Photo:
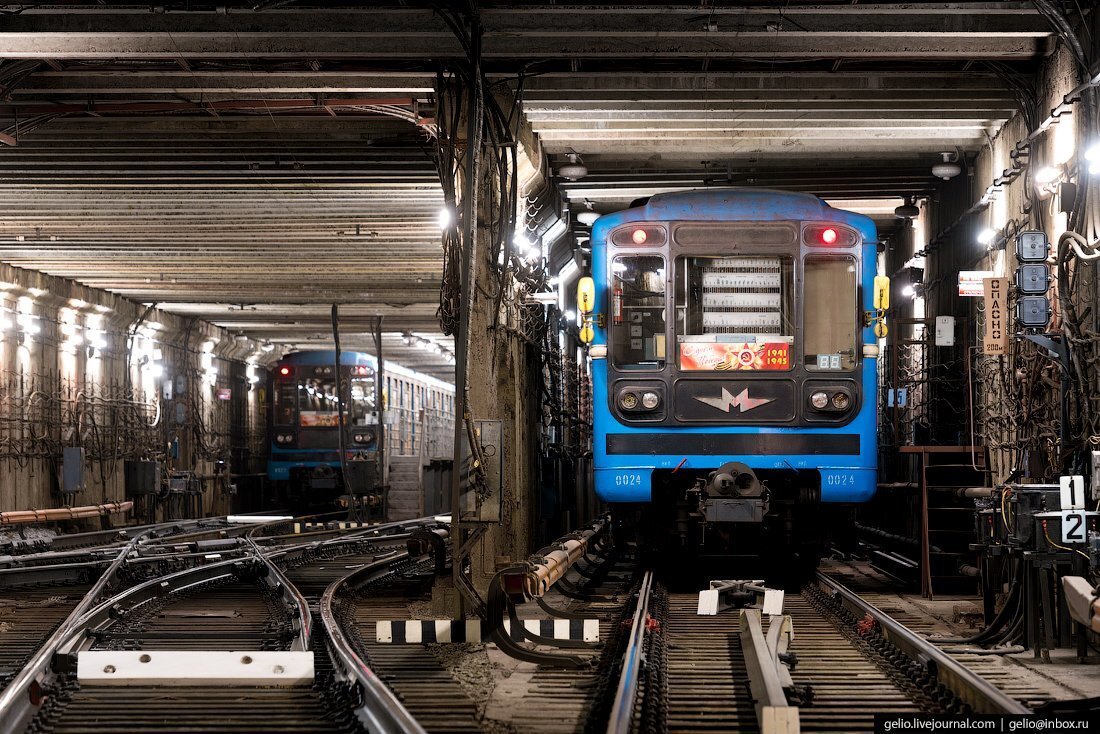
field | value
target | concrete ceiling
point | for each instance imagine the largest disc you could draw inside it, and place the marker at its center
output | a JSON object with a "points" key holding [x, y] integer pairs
{"points": [[252, 167]]}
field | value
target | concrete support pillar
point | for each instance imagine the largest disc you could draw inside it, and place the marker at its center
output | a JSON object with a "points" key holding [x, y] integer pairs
{"points": [[502, 380]]}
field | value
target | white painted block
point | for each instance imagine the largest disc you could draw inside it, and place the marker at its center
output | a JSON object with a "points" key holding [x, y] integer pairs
{"points": [[383, 631], [773, 601], [708, 602], [194, 668]]}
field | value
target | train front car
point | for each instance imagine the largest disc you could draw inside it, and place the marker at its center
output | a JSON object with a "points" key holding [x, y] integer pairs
{"points": [[303, 428], [736, 401]]}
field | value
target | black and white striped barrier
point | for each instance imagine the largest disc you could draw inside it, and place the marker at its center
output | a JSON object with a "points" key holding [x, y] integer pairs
{"points": [[307, 527], [419, 631]]}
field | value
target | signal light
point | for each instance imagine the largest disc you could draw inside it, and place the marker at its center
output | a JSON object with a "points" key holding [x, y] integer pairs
{"points": [[828, 236], [639, 236], [284, 371]]}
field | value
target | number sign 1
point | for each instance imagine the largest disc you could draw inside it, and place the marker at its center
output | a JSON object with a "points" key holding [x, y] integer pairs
{"points": [[1073, 492]]}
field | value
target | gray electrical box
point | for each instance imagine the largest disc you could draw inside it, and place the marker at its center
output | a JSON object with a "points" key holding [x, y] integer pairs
{"points": [[1033, 312], [72, 469], [1032, 247], [1033, 279], [141, 477]]}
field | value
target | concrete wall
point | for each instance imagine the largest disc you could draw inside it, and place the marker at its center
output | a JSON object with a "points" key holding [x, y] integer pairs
{"points": [[66, 381]]}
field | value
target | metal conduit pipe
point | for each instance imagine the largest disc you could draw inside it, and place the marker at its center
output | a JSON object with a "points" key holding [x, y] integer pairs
{"points": [[542, 571], [17, 517]]}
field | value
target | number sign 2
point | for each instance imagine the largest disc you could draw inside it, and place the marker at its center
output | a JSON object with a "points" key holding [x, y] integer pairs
{"points": [[1073, 526]]}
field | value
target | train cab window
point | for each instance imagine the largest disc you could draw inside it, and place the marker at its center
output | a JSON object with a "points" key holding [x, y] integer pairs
{"points": [[362, 401], [734, 313], [831, 316], [286, 404], [637, 332]]}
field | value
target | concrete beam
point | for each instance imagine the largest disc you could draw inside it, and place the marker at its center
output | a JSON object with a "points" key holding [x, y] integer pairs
{"points": [[932, 30]]}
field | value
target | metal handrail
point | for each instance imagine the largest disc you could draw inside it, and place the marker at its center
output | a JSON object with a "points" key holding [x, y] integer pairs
{"points": [[626, 693]]}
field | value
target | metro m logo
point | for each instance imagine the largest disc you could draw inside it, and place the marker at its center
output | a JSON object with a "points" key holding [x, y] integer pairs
{"points": [[743, 402]]}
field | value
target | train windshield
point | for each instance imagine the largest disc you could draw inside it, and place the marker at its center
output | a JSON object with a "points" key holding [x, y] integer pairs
{"points": [[734, 313], [831, 315], [638, 312], [313, 401]]}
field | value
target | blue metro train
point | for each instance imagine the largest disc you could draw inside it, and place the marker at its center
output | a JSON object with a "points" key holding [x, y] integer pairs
{"points": [[734, 345], [303, 426]]}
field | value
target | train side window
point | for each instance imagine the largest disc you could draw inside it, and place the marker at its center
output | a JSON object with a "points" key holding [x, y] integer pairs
{"points": [[637, 331], [829, 304]]}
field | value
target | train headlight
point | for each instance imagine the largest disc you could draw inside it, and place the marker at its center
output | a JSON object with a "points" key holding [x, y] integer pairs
{"points": [[650, 400], [841, 401], [819, 400], [628, 401]]}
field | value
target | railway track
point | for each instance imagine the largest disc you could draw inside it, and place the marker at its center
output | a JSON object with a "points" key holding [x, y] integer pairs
{"points": [[682, 672], [246, 626]]}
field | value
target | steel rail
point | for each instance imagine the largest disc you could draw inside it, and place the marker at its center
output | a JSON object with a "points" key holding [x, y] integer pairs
{"points": [[626, 692], [379, 709], [19, 701], [980, 694]]}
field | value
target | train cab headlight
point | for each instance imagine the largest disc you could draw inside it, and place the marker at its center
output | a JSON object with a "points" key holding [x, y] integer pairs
{"points": [[628, 401], [650, 400], [841, 401], [819, 400]]}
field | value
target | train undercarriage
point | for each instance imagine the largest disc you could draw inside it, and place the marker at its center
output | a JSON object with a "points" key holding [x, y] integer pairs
{"points": [[733, 522]]}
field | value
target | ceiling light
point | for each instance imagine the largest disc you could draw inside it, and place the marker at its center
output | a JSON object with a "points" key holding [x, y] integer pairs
{"points": [[587, 218], [908, 210], [987, 235], [908, 291], [947, 169], [574, 169]]}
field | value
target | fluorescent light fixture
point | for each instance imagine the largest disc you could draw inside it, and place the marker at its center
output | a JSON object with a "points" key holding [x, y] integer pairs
{"points": [[987, 235], [1092, 155], [1047, 174], [445, 218], [587, 218]]}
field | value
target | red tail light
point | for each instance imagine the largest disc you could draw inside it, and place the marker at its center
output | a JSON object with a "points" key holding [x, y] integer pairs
{"points": [[824, 235], [650, 235]]}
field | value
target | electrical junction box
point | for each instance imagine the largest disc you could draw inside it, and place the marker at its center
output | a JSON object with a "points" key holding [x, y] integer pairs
{"points": [[1033, 312], [72, 469], [1033, 279], [945, 331], [141, 477], [1032, 247]]}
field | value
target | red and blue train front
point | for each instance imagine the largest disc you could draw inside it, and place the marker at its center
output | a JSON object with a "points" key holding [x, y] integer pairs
{"points": [[735, 367]]}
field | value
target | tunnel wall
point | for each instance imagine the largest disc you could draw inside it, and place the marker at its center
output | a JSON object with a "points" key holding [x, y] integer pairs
{"points": [[1014, 398], [81, 367]]}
